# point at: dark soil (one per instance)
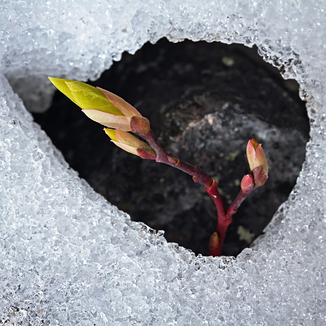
(204, 101)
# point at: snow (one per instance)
(67, 256)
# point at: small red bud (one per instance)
(247, 183)
(173, 160)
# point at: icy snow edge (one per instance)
(68, 256)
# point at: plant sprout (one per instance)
(122, 121)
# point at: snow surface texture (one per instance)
(68, 257)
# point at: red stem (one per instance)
(236, 203)
(224, 218)
(223, 221)
(198, 175)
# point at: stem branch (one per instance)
(224, 218)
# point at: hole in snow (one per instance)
(204, 101)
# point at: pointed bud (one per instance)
(85, 96)
(247, 183)
(256, 156)
(130, 143)
(98, 104)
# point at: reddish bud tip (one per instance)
(140, 125)
(254, 143)
(247, 183)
